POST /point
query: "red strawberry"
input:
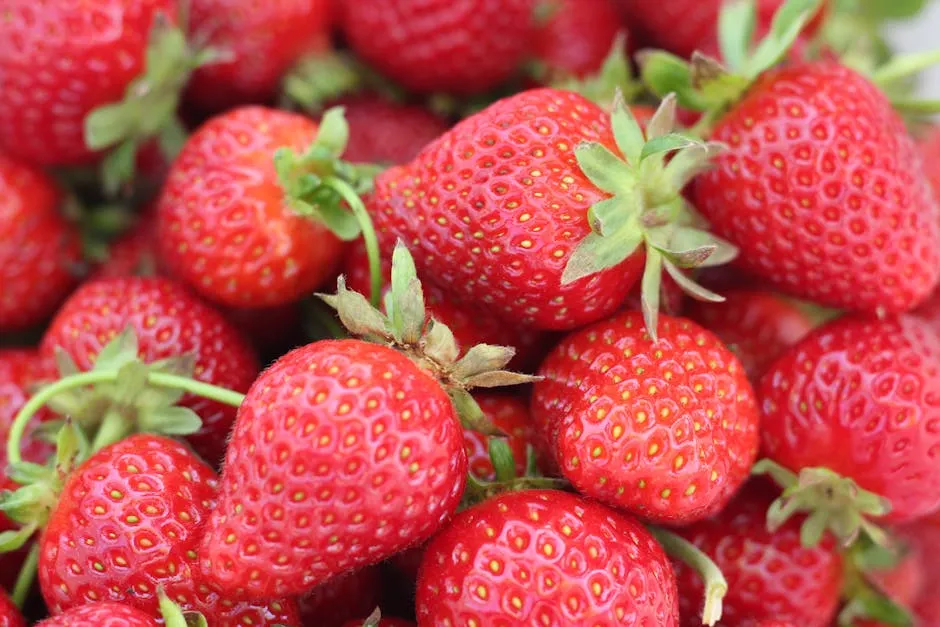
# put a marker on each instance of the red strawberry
(577, 37)
(665, 429)
(342, 599)
(770, 574)
(930, 151)
(857, 397)
(127, 523)
(261, 41)
(924, 536)
(456, 46)
(499, 210)
(104, 614)
(510, 415)
(381, 131)
(39, 249)
(168, 321)
(929, 311)
(225, 224)
(757, 326)
(545, 558)
(351, 441)
(775, 623)
(902, 584)
(823, 190)
(383, 622)
(470, 325)
(10, 615)
(134, 253)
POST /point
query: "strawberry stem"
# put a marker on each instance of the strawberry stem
(24, 580)
(716, 586)
(358, 209)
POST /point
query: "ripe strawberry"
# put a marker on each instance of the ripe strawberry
(383, 622)
(665, 429)
(924, 537)
(775, 623)
(455, 46)
(500, 210)
(930, 151)
(854, 398)
(510, 415)
(901, 584)
(770, 574)
(225, 224)
(39, 249)
(342, 599)
(823, 190)
(757, 326)
(127, 524)
(545, 558)
(261, 43)
(10, 615)
(103, 614)
(134, 253)
(381, 131)
(577, 37)
(929, 311)
(168, 321)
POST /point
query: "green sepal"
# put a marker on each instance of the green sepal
(439, 343)
(504, 464)
(470, 414)
(600, 88)
(916, 106)
(321, 78)
(788, 22)
(882, 10)
(690, 287)
(119, 352)
(628, 134)
(407, 313)
(25, 473)
(15, 539)
(736, 23)
(373, 619)
(72, 447)
(357, 314)
(480, 359)
(173, 616)
(714, 82)
(664, 73)
(606, 170)
(598, 252)
(670, 142)
(173, 420)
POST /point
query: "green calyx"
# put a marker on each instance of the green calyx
(830, 501)
(863, 595)
(405, 326)
(506, 478)
(149, 106)
(615, 73)
(646, 207)
(715, 584)
(321, 78)
(173, 616)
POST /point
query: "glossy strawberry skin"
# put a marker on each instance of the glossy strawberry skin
(384, 622)
(494, 208)
(545, 558)
(103, 614)
(128, 522)
(382, 131)
(470, 325)
(39, 249)
(262, 40)
(858, 396)
(577, 37)
(665, 430)
(929, 311)
(354, 445)
(224, 224)
(510, 415)
(924, 536)
(930, 151)
(349, 597)
(456, 46)
(168, 320)
(770, 575)
(60, 61)
(10, 615)
(757, 326)
(823, 190)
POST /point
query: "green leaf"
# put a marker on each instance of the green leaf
(72, 446)
(373, 619)
(482, 358)
(14, 539)
(605, 169)
(119, 351)
(108, 125)
(663, 121)
(333, 133)
(788, 23)
(356, 313)
(736, 23)
(689, 162)
(172, 136)
(716, 85)
(596, 253)
(628, 134)
(691, 248)
(690, 287)
(326, 205)
(502, 459)
(498, 378)
(64, 362)
(664, 73)
(408, 312)
(650, 289)
(25, 473)
(173, 420)
(471, 416)
(668, 143)
(609, 216)
(880, 10)
(916, 106)
(439, 343)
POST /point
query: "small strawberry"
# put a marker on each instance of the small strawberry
(930, 151)
(39, 250)
(545, 558)
(511, 416)
(342, 599)
(168, 322)
(543, 207)
(770, 574)
(10, 615)
(127, 524)
(244, 231)
(454, 46)
(104, 614)
(665, 429)
(841, 410)
(757, 326)
(357, 444)
(576, 37)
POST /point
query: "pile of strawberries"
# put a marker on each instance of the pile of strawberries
(467, 313)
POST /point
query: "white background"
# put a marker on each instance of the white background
(919, 35)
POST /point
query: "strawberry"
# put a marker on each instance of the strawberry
(840, 409)
(134, 253)
(382, 622)
(775, 623)
(10, 615)
(770, 574)
(510, 415)
(929, 311)
(39, 249)
(260, 43)
(229, 223)
(528, 209)
(930, 151)
(455, 46)
(757, 326)
(823, 190)
(127, 524)
(924, 537)
(104, 614)
(357, 444)
(665, 429)
(168, 322)
(576, 37)
(343, 598)
(545, 558)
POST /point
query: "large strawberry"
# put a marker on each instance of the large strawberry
(39, 249)
(665, 429)
(128, 523)
(545, 558)
(576, 37)
(357, 444)
(260, 42)
(243, 232)
(757, 326)
(343, 598)
(540, 208)
(850, 412)
(169, 322)
(930, 151)
(769, 574)
(456, 46)
(104, 614)
(10, 615)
